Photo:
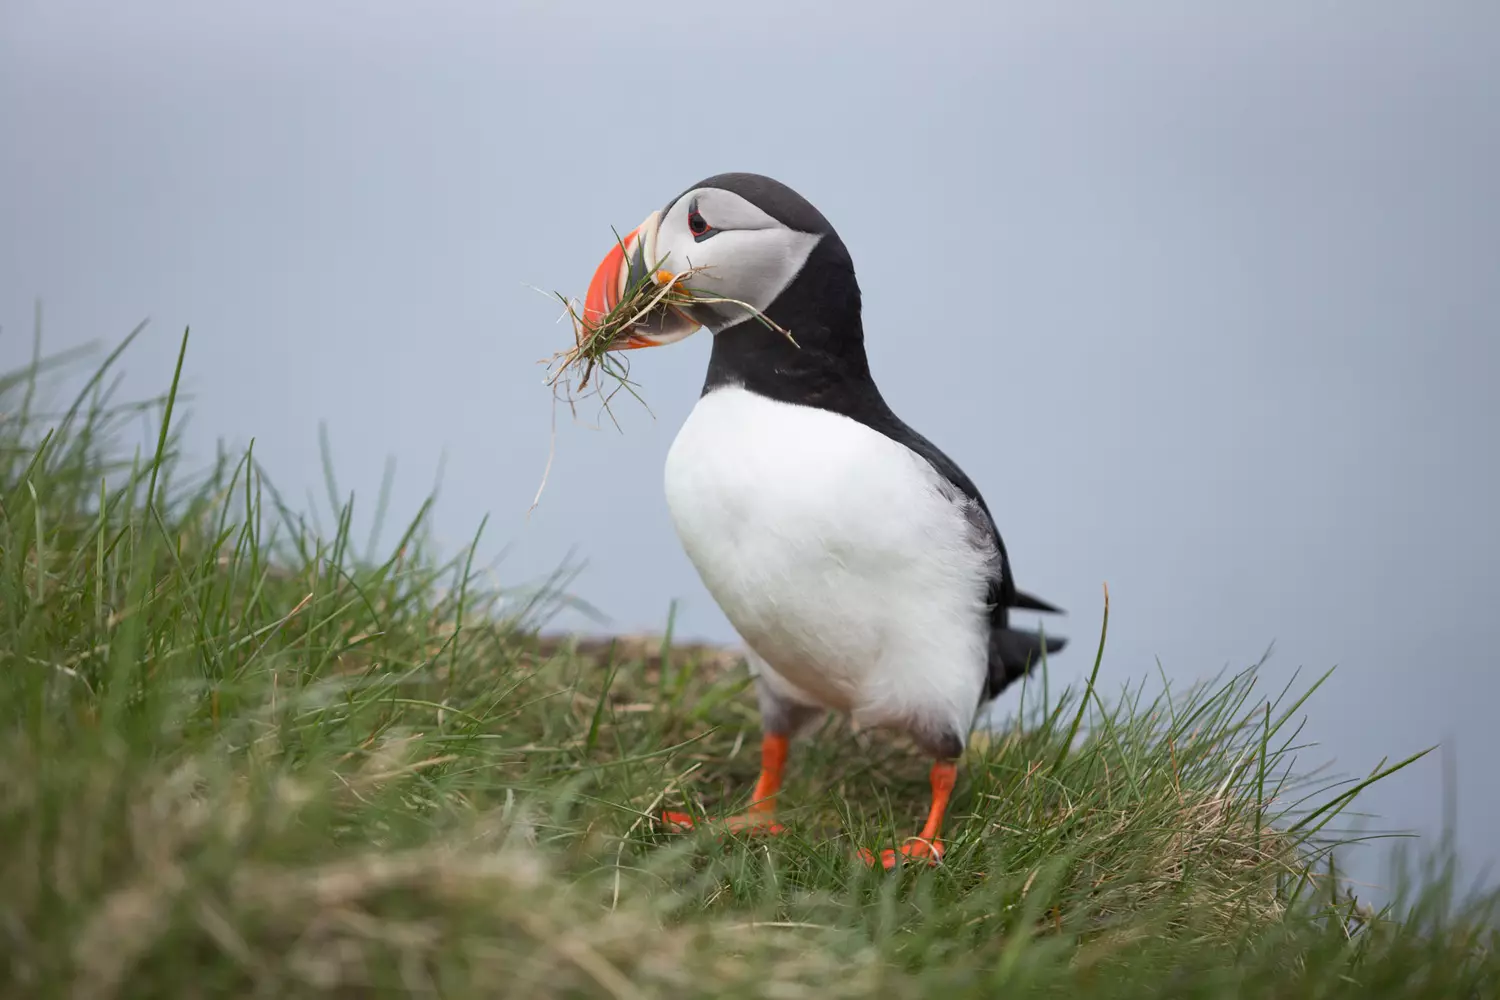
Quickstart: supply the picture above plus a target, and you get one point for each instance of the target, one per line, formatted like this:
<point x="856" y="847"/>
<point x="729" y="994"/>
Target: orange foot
<point x="760" y="818"/>
<point x="747" y="824"/>
<point x="926" y="844"/>
<point x="931" y="850"/>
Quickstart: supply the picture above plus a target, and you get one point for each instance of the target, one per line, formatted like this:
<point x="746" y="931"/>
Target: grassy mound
<point x="238" y="758"/>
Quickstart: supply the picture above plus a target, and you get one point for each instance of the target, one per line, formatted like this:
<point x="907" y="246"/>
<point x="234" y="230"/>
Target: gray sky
<point x="1218" y="291"/>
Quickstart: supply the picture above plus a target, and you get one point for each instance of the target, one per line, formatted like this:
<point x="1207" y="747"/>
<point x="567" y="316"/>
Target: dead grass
<point x="659" y="291"/>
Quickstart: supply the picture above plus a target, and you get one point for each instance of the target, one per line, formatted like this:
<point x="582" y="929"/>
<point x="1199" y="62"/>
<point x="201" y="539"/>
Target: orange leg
<point x="760" y="817"/>
<point x="926" y="844"/>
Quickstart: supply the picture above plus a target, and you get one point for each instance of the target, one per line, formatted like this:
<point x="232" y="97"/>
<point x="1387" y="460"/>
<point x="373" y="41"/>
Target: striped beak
<point x="631" y="272"/>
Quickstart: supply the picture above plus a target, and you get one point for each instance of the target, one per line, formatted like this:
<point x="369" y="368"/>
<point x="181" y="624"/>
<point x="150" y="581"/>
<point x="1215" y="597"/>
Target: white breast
<point x="835" y="555"/>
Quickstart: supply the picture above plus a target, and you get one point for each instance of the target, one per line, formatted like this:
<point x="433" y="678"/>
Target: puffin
<point x="860" y="566"/>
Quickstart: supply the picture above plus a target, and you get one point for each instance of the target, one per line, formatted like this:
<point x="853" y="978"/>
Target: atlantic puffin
<point x="858" y="563"/>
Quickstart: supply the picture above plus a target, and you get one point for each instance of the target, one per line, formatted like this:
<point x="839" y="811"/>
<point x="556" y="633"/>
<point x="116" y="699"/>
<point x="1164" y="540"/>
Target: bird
<point x="860" y="566"/>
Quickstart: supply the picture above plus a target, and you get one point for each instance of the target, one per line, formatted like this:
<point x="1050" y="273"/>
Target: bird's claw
<point x="915" y="849"/>
<point x="752" y="824"/>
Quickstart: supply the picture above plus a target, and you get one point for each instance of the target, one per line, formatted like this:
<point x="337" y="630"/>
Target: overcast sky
<point x="1206" y="303"/>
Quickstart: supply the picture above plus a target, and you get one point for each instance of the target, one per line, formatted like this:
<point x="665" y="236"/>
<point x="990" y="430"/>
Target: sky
<point x="1206" y="301"/>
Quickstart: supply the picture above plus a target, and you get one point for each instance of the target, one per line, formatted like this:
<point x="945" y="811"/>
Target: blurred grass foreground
<point x="242" y="758"/>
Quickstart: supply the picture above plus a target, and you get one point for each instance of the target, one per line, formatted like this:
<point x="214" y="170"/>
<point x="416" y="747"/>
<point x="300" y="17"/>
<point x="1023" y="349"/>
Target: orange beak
<point x="628" y="264"/>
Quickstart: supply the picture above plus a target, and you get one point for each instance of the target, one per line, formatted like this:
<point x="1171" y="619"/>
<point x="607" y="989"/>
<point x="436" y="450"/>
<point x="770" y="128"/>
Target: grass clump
<point x="657" y="292"/>
<point x="238" y="757"/>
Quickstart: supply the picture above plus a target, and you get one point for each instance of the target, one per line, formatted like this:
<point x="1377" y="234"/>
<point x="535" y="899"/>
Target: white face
<point x="740" y="257"/>
<point x="745" y="254"/>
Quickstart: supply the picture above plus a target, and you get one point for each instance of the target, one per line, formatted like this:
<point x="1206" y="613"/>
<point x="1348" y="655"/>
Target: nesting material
<point x="573" y="369"/>
<point x="658" y="291"/>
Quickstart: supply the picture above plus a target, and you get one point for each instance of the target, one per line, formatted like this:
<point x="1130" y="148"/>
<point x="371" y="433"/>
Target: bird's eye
<point x="696" y="223"/>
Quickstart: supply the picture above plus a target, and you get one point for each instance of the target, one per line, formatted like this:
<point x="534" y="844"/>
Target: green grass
<point x="240" y="758"/>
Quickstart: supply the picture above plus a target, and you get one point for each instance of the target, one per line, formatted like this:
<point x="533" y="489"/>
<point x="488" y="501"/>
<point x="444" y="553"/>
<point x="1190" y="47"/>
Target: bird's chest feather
<point x="825" y="543"/>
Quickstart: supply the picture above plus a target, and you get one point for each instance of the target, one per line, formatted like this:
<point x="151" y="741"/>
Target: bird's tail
<point x="1021" y="651"/>
<point x="1030" y="602"/>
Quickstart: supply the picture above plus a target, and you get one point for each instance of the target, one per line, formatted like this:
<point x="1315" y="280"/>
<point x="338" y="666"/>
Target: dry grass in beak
<point x="658" y="291"/>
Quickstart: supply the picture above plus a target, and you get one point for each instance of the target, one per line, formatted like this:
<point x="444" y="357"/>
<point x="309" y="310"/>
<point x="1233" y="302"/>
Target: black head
<point x="761" y="247"/>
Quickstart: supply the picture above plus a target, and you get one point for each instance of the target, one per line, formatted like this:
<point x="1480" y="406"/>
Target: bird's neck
<point x="819" y="361"/>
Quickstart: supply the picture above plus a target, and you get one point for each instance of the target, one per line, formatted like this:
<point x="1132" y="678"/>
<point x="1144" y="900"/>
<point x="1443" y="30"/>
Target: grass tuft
<point x="657" y="291"/>
<point x="242" y="757"/>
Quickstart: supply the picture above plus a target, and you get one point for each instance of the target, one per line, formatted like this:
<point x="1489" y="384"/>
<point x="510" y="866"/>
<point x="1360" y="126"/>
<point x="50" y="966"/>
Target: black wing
<point x="1013" y="652"/>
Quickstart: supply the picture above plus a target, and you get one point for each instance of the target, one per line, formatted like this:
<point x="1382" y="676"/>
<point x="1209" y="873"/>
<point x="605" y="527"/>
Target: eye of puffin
<point x="697" y="225"/>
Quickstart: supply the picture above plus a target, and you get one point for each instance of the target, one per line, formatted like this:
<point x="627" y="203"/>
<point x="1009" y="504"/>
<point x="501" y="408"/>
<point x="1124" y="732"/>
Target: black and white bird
<point x="859" y="564"/>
